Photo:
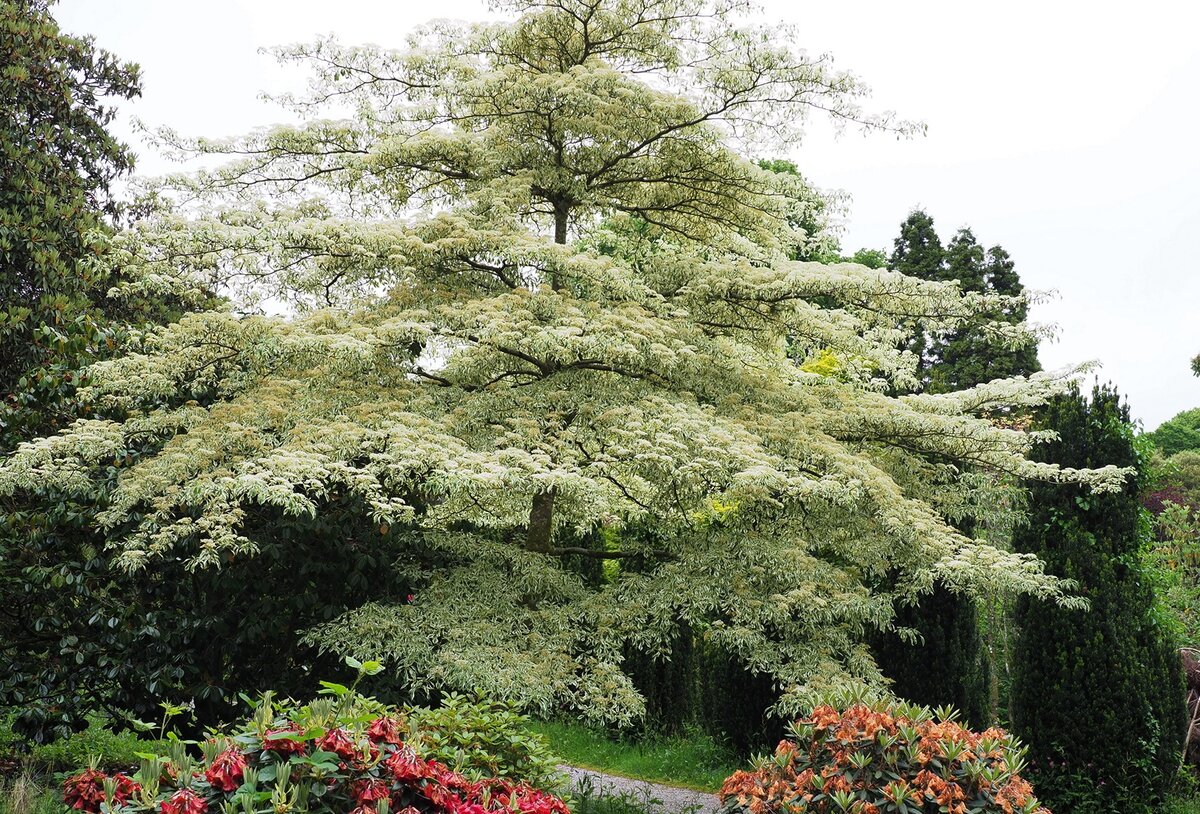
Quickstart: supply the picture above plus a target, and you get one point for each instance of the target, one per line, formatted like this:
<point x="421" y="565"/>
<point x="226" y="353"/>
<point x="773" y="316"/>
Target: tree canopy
<point x="1179" y="433"/>
<point x="542" y="312"/>
<point x="964" y="357"/>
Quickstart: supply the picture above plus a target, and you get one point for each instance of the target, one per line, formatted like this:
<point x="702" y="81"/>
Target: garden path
<point x="662" y="799"/>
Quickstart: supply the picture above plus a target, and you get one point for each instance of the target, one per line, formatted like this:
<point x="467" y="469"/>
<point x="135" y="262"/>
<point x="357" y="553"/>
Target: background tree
<point x="545" y="313"/>
<point x="57" y="167"/>
<point x="918" y="252"/>
<point x="871" y="258"/>
<point x="1179" y="433"/>
<point x="59" y="163"/>
<point x="1097" y="694"/>
<point x="812" y="220"/>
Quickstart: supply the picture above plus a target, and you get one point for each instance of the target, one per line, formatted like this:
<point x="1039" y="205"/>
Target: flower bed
<point x="332" y="756"/>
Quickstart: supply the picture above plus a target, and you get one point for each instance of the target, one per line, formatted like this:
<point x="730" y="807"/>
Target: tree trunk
<point x="541" y="509"/>
<point x="541" y="521"/>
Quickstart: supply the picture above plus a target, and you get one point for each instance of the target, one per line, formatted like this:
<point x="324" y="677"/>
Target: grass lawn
<point x="694" y="762"/>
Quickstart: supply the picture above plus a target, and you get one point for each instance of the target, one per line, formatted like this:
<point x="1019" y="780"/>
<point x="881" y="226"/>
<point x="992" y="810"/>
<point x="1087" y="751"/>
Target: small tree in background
<point x="1096" y="694"/>
<point x="1179" y="433"/>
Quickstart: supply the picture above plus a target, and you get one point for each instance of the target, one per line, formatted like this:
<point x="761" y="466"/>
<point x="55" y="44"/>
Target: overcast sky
<point x="1064" y="131"/>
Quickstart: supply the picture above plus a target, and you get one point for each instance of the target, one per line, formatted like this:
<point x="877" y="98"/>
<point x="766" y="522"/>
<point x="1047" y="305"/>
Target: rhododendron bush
<point x="343" y="754"/>
<point x="869" y="759"/>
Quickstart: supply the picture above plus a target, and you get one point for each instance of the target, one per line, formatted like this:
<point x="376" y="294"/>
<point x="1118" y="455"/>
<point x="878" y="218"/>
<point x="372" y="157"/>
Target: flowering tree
<point x="542" y="314"/>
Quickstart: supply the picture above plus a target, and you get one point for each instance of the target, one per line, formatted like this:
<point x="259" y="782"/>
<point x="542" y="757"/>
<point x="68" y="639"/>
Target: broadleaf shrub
<point x="337" y="754"/>
<point x="482" y="739"/>
<point x="876" y="760"/>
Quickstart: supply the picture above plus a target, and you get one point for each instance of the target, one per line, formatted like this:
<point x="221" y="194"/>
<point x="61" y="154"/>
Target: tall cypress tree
<point x="1097" y="694"/>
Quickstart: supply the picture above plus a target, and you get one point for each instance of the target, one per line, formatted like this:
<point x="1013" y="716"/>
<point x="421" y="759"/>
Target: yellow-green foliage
<point x="825" y="363"/>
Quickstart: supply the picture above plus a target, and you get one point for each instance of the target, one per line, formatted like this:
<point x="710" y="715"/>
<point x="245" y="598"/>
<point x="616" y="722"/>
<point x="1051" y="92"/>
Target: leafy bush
<point x="872" y="759"/>
<point x="483" y="739"/>
<point x="340" y="753"/>
<point x="97" y="742"/>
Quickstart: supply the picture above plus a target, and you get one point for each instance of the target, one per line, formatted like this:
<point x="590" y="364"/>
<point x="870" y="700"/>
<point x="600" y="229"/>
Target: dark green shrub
<point x="947" y="667"/>
<point x="1097" y="694"/>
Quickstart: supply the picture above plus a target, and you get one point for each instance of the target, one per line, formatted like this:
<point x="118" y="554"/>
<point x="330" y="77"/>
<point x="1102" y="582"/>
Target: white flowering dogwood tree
<point x="540" y="311"/>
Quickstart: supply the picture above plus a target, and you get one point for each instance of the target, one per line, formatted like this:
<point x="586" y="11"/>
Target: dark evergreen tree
<point x="948" y="665"/>
<point x="918" y="252"/>
<point x="955" y="361"/>
<point x="1096" y="694"/>
<point x="965" y="359"/>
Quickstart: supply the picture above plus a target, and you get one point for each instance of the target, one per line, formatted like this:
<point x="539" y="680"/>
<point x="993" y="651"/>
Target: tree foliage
<point x="74" y="637"/>
<point x="544" y="314"/>
<point x="58" y="164"/>
<point x="57" y="167"/>
<point x="1179" y="433"/>
<point x="964" y="357"/>
<point x="1096" y="694"/>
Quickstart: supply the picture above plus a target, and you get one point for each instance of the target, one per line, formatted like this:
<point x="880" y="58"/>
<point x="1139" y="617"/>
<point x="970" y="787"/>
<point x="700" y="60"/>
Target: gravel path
<point x="665" y="799"/>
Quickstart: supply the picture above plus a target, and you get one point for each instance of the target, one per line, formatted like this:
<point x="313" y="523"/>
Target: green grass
<point x="24" y="795"/>
<point x="693" y="762"/>
<point x="1183" y="804"/>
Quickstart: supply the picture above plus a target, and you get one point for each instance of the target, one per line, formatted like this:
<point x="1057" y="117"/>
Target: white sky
<point x="1064" y="131"/>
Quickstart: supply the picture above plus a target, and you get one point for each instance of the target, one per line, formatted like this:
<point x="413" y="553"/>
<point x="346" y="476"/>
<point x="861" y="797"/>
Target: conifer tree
<point x="918" y="252"/>
<point x="545" y="311"/>
<point x="1097" y="694"/>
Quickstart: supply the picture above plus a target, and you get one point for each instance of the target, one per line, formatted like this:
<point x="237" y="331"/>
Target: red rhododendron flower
<point x="227" y="770"/>
<point x="84" y="791"/>
<point x="406" y="766"/>
<point x="126" y="788"/>
<point x="184" y="801"/>
<point x="272" y="741"/>
<point x="370" y="790"/>
<point x="464" y="807"/>
<point x="442" y="797"/>
<point x="338" y="742"/>
<point x="449" y="778"/>
<point x="384" y="730"/>
<point x="535" y="801"/>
